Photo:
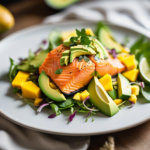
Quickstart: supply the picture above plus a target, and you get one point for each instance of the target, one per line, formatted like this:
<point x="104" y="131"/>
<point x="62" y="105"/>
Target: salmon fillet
<point x="73" y="77"/>
<point x="111" y="66"/>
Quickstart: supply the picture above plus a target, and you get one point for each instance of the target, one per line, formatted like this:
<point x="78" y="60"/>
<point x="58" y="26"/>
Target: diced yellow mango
<point x="133" y="98"/>
<point x="89" y="31"/>
<point x="121" y="56"/>
<point x="135" y="89"/>
<point x="30" y="90"/>
<point x="131" y="75"/>
<point x="20" y="77"/>
<point x="129" y="62"/>
<point x="52" y="85"/>
<point x="118" y="101"/>
<point x="106" y="82"/>
<point x="38" y="101"/>
<point x="84" y="95"/>
<point x="125" y="50"/>
<point x="77" y="96"/>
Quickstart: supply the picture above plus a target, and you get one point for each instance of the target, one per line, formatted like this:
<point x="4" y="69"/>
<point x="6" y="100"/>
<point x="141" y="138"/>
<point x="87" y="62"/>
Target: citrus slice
<point x="144" y="71"/>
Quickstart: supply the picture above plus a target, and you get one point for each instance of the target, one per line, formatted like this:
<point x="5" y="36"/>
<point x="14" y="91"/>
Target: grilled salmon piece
<point x="73" y="77"/>
<point x="111" y="66"/>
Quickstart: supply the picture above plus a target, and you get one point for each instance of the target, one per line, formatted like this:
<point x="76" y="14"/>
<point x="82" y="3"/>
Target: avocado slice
<point x="53" y="94"/>
<point x="79" y="50"/>
<point x="124" y="87"/>
<point x="113" y="94"/>
<point x="60" y="4"/>
<point x="67" y="42"/>
<point x="39" y="58"/>
<point x="108" y="40"/>
<point x="65" y="58"/>
<point x="100" y="99"/>
<point x="100" y="49"/>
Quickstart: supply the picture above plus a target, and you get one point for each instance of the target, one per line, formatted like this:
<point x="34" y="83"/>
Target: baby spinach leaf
<point x="58" y="71"/>
<point x="137" y="44"/>
<point x="146" y="92"/>
<point x="55" y="39"/>
<point x="12" y="70"/>
<point x="55" y="109"/>
<point x="69" y="101"/>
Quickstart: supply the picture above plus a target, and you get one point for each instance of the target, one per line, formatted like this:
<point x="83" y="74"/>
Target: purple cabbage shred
<point x="44" y="42"/>
<point x="71" y="117"/>
<point x="113" y="52"/>
<point x="38" y="51"/>
<point x="52" y="116"/>
<point x="141" y="84"/>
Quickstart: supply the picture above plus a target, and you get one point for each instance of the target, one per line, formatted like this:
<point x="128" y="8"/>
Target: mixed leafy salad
<point x="127" y="76"/>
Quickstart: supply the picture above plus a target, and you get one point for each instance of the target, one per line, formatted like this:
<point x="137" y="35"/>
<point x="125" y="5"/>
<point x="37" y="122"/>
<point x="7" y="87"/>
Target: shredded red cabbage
<point x="113" y="52"/>
<point x="141" y="84"/>
<point x="132" y="104"/>
<point x="42" y="106"/>
<point x="37" y="51"/>
<point x="20" y="59"/>
<point x="71" y="117"/>
<point x="44" y="42"/>
<point x="91" y="109"/>
<point x="52" y="116"/>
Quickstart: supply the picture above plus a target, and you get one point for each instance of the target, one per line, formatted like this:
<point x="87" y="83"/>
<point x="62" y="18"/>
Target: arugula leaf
<point x="55" y="109"/>
<point x="85" y="40"/>
<point x="80" y="58"/>
<point x="86" y="58"/>
<point x="137" y="44"/>
<point x="58" y="71"/>
<point x="12" y="70"/>
<point x="16" y="90"/>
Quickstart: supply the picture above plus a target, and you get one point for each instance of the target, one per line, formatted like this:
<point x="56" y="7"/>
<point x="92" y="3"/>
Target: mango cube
<point x="125" y="50"/>
<point x="20" y="78"/>
<point x="38" y="101"/>
<point x="84" y="95"/>
<point x="30" y="90"/>
<point x="89" y="31"/>
<point x="121" y="56"/>
<point x="135" y="89"/>
<point x="118" y="101"/>
<point x="52" y="85"/>
<point x="131" y="75"/>
<point x="129" y="62"/>
<point x="77" y="96"/>
<point x="106" y="81"/>
<point x="133" y="98"/>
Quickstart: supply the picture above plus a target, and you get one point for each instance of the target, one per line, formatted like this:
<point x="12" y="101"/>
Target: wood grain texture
<point x="31" y="12"/>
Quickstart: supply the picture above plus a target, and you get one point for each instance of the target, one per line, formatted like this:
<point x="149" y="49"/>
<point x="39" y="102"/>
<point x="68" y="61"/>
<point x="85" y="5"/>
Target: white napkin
<point x="132" y="14"/>
<point x="14" y="137"/>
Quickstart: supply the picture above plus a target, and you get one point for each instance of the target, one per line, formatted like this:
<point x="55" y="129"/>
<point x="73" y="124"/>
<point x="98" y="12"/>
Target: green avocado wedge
<point x="100" y="99"/>
<point x="108" y="40"/>
<point x="124" y="87"/>
<point x="53" y="94"/>
<point x="59" y="4"/>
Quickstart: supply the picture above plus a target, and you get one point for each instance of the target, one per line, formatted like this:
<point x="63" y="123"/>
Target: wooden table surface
<point x="31" y="12"/>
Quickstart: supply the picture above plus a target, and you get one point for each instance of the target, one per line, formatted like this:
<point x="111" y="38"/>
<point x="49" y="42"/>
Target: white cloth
<point x="14" y="137"/>
<point x="128" y="13"/>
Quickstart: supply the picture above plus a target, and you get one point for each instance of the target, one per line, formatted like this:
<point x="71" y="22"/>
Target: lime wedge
<point x="144" y="71"/>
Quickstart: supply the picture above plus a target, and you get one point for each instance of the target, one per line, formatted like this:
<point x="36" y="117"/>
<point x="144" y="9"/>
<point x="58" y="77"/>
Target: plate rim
<point x="64" y="133"/>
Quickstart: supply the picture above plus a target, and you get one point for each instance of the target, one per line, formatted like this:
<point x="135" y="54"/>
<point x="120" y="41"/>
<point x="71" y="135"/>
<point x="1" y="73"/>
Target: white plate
<point x="17" y="45"/>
